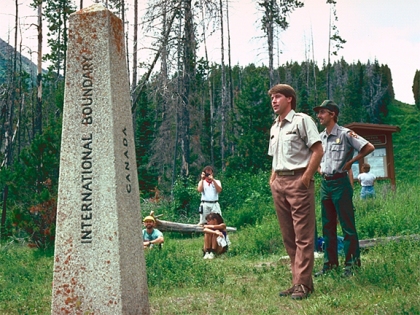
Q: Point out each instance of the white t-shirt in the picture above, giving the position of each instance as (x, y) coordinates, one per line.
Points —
(366, 179)
(209, 191)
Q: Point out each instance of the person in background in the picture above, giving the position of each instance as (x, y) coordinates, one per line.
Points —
(216, 240)
(367, 180)
(339, 144)
(210, 189)
(296, 149)
(151, 235)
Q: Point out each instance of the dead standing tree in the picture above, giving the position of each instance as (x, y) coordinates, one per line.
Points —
(7, 112)
(275, 14)
(333, 39)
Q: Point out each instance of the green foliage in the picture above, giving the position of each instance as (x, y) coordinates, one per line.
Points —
(57, 13)
(277, 14)
(33, 208)
(406, 154)
(254, 119)
(186, 196)
(245, 200)
(245, 197)
(144, 134)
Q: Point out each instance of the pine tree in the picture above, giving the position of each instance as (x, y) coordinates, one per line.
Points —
(254, 119)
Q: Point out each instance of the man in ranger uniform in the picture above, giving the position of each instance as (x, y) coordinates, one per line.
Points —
(296, 149)
(339, 144)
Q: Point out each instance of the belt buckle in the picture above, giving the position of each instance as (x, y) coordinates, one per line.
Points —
(285, 173)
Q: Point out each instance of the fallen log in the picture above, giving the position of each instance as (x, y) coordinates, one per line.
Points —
(375, 241)
(168, 226)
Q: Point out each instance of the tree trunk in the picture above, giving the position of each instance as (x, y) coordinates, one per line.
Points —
(3, 211)
(38, 111)
(209, 83)
(314, 68)
(188, 74)
(329, 58)
(223, 94)
(134, 78)
(8, 128)
(230, 84)
(135, 34)
(270, 41)
(65, 40)
(168, 226)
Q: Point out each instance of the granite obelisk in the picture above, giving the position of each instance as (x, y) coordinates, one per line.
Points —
(99, 265)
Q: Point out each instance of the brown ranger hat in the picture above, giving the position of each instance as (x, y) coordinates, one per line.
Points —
(329, 105)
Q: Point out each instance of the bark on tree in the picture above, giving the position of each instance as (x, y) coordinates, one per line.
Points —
(209, 83)
(168, 226)
(135, 34)
(188, 74)
(8, 128)
(38, 111)
(223, 93)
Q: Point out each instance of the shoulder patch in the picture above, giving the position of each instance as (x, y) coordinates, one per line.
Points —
(351, 133)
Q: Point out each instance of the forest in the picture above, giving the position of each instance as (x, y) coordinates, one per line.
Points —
(188, 111)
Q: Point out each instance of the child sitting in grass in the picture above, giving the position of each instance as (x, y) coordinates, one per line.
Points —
(215, 236)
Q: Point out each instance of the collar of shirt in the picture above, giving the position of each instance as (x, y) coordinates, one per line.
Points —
(289, 117)
(333, 131)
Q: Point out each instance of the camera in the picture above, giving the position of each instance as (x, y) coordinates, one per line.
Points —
(207, 174)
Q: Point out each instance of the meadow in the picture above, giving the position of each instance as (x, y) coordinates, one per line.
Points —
(247, 279)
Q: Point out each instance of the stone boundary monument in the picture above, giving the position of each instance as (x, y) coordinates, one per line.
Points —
(99, 265)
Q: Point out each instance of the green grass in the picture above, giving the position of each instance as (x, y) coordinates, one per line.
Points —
(248, 278)
(25, 280)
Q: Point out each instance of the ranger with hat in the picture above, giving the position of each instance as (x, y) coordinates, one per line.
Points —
(339, 144)
(151, 236)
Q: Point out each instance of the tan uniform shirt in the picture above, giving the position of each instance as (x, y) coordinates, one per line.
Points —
(339, 147)
(291, 140)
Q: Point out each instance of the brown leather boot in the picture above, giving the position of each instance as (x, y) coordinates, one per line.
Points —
(301, 292)
(287, 292)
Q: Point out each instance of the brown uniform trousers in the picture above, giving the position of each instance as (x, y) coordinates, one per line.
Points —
(295, 207)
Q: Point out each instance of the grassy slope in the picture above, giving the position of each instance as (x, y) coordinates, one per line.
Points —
(406, 142)
(248, 278)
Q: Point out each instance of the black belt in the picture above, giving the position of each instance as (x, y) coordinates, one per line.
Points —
(214, 201)
(334, 176)
(290, 173)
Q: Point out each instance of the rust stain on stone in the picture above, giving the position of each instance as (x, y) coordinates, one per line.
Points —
(118, 33)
